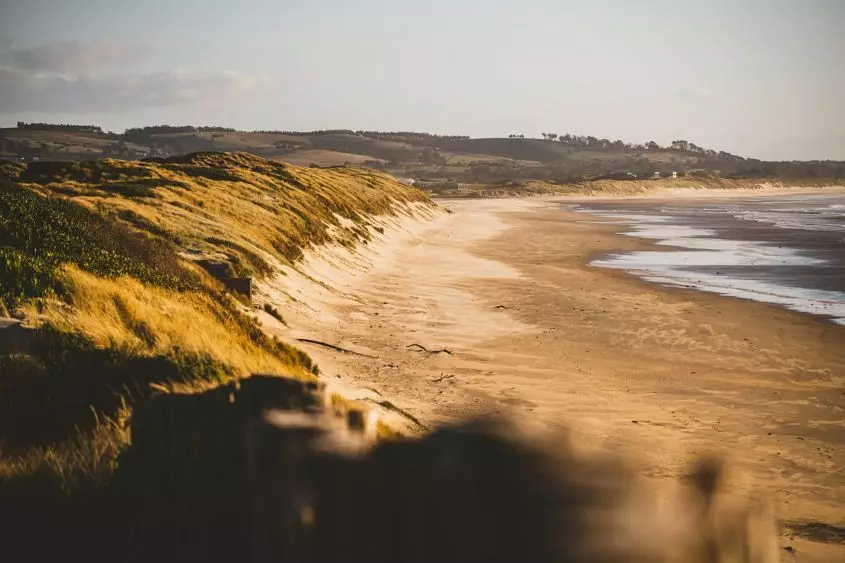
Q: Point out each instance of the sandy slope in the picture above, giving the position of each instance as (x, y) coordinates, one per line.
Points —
(632, 367)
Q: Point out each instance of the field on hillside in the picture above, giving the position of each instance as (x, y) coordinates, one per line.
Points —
(324, 158)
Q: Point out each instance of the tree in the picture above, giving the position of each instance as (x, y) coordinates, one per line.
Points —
(680, 145)
(552, 136)
(652, 146)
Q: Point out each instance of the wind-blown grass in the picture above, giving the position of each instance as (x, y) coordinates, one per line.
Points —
(238, 205)
(91, 256)
(38, 234)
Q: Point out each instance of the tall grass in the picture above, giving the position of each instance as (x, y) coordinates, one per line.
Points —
(59, 501)
(38, 234)
(239, 205)
(90, 257)
(85, 461)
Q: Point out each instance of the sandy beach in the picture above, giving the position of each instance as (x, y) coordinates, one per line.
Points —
(660, 374)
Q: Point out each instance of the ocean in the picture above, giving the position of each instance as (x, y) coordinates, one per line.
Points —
(787, 250)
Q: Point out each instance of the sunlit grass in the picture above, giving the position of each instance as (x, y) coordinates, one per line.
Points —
(84, 461)
(237, 204)
(125, 312)
(94, 259)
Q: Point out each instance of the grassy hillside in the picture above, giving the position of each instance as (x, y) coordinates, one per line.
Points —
(611, 187)
(101, 262)
(491, 161)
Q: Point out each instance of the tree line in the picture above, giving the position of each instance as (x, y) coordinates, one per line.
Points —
(163, 129)
(589, 141)
(405, 135)
(60, 127)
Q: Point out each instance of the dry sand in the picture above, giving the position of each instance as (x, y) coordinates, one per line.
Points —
(663, 374)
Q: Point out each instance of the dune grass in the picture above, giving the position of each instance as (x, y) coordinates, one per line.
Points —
(83, 462)
(273, 312)
(126, 313)
(238, 205)
(39, 234)
(93, 259)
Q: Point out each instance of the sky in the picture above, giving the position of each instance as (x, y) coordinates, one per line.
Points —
(759, 78)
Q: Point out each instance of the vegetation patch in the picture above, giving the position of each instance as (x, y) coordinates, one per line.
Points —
(23, 276)
(40, 233)
(60, 381)
(91, 260)
(235, 204)
(273, 312)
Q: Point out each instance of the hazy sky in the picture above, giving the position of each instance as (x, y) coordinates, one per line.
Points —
(763, 78)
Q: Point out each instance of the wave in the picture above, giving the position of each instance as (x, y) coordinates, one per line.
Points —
(810, 220)
(700, 254)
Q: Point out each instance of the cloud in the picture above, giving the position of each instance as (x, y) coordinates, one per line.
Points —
(73, 77)
(73, 56)
(21, 90)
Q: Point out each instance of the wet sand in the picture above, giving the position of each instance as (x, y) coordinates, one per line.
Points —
(664, 374)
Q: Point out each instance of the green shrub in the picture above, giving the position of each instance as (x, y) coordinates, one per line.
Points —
(23, 276)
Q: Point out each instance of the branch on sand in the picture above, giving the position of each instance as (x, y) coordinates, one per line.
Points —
(390, 406)
(422, 348)
(442, 377)
(333, 347)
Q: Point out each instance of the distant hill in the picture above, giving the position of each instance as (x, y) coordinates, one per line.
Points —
(433, 158)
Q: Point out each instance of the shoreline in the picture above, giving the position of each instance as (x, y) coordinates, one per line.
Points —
(658, 374)
(719, 253)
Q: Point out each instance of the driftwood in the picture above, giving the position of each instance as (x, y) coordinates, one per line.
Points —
(443, 377)
(422, 348)
(333, 347)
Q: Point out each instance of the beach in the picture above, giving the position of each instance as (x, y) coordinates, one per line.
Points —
(494, 309)
(788, 250)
